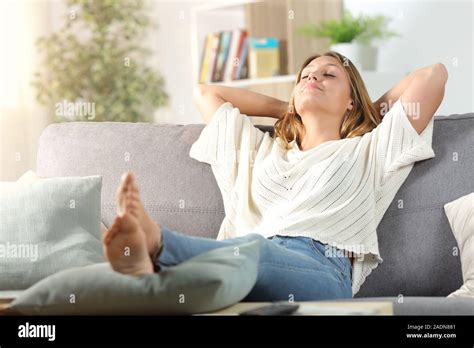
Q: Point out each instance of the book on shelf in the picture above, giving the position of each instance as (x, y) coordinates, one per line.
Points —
(233, 58)
(242, 69)
(233, 55)
(208, 53)
(221, 58)
(264, 57)
(224, 56)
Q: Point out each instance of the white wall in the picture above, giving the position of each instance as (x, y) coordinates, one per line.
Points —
(431, 31)
(22, 119)
(172, 45)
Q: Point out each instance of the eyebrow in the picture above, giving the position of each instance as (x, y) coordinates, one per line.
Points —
(323, 65)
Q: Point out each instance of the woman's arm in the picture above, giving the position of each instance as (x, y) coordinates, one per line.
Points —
(421, 92)
(392, 95)
(210, 97)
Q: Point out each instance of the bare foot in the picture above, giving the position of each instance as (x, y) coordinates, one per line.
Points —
(125, 246)
(128, 200)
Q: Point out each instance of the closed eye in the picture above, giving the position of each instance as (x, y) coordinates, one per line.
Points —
(324, 75)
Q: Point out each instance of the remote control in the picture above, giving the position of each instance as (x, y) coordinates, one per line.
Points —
(273, 309)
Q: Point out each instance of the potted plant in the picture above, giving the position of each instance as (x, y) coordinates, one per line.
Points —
(353, 36)
(97, 64)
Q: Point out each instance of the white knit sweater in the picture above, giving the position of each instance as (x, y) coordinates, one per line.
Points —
(335, 193)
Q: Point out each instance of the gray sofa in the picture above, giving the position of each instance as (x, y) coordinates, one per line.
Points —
(416, 243)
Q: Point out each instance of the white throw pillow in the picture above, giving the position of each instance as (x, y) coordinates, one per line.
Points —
(48, 225)
(460, 213)
(31, 175)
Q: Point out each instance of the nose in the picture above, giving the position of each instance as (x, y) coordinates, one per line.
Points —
(312, 75)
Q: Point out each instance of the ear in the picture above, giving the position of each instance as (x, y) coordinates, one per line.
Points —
(351, 105)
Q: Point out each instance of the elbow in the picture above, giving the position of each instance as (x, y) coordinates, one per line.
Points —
(202, 91)
(199, 91)
(439, 72)
(434, 75)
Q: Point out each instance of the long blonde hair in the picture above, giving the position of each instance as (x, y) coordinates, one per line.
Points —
(362, 118)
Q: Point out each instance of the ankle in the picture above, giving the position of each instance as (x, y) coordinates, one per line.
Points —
(157, 246)
(155, 255)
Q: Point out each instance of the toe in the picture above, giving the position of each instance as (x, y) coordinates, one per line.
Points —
(129, 177)
(131, 181)
(124, 181)
(116, 224)
(129, 222)
(121, 190)
(134, 186)
(128, 201)
(128, 180)
(112, 231)
(108, 236)
(124, 184)
(131, 207)
(131, 186)
(125, 176)
(124, 188)
(135, 197)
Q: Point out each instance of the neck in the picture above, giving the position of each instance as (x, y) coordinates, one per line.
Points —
(318, 130)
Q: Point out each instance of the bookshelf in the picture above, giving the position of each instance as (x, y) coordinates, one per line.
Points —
(263, 18)
(209, 18)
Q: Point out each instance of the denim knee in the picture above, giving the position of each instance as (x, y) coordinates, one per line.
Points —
(262, 241)
(254, 236)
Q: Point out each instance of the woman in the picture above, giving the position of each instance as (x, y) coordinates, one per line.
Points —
(313, 194)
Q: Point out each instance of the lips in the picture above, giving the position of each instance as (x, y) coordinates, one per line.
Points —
(311, 85)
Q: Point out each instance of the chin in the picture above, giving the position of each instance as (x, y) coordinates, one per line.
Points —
(313, 104)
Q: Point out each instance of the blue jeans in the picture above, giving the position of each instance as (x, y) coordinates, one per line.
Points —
(290, 268)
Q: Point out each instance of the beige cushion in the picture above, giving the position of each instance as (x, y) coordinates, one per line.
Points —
(460, 213)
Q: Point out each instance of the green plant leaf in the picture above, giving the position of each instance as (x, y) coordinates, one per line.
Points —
(363, 29)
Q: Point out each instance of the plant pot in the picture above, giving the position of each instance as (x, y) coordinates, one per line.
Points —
(364, 57)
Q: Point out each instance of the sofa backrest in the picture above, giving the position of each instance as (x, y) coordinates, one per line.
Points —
(181, 193)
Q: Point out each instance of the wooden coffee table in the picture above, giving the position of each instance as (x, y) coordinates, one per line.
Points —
(4, 303)
(320, 308)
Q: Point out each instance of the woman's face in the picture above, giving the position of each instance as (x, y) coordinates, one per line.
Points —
(324, 86)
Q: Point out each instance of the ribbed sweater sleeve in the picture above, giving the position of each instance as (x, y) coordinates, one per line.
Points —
(225, 142)
(398, 144)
